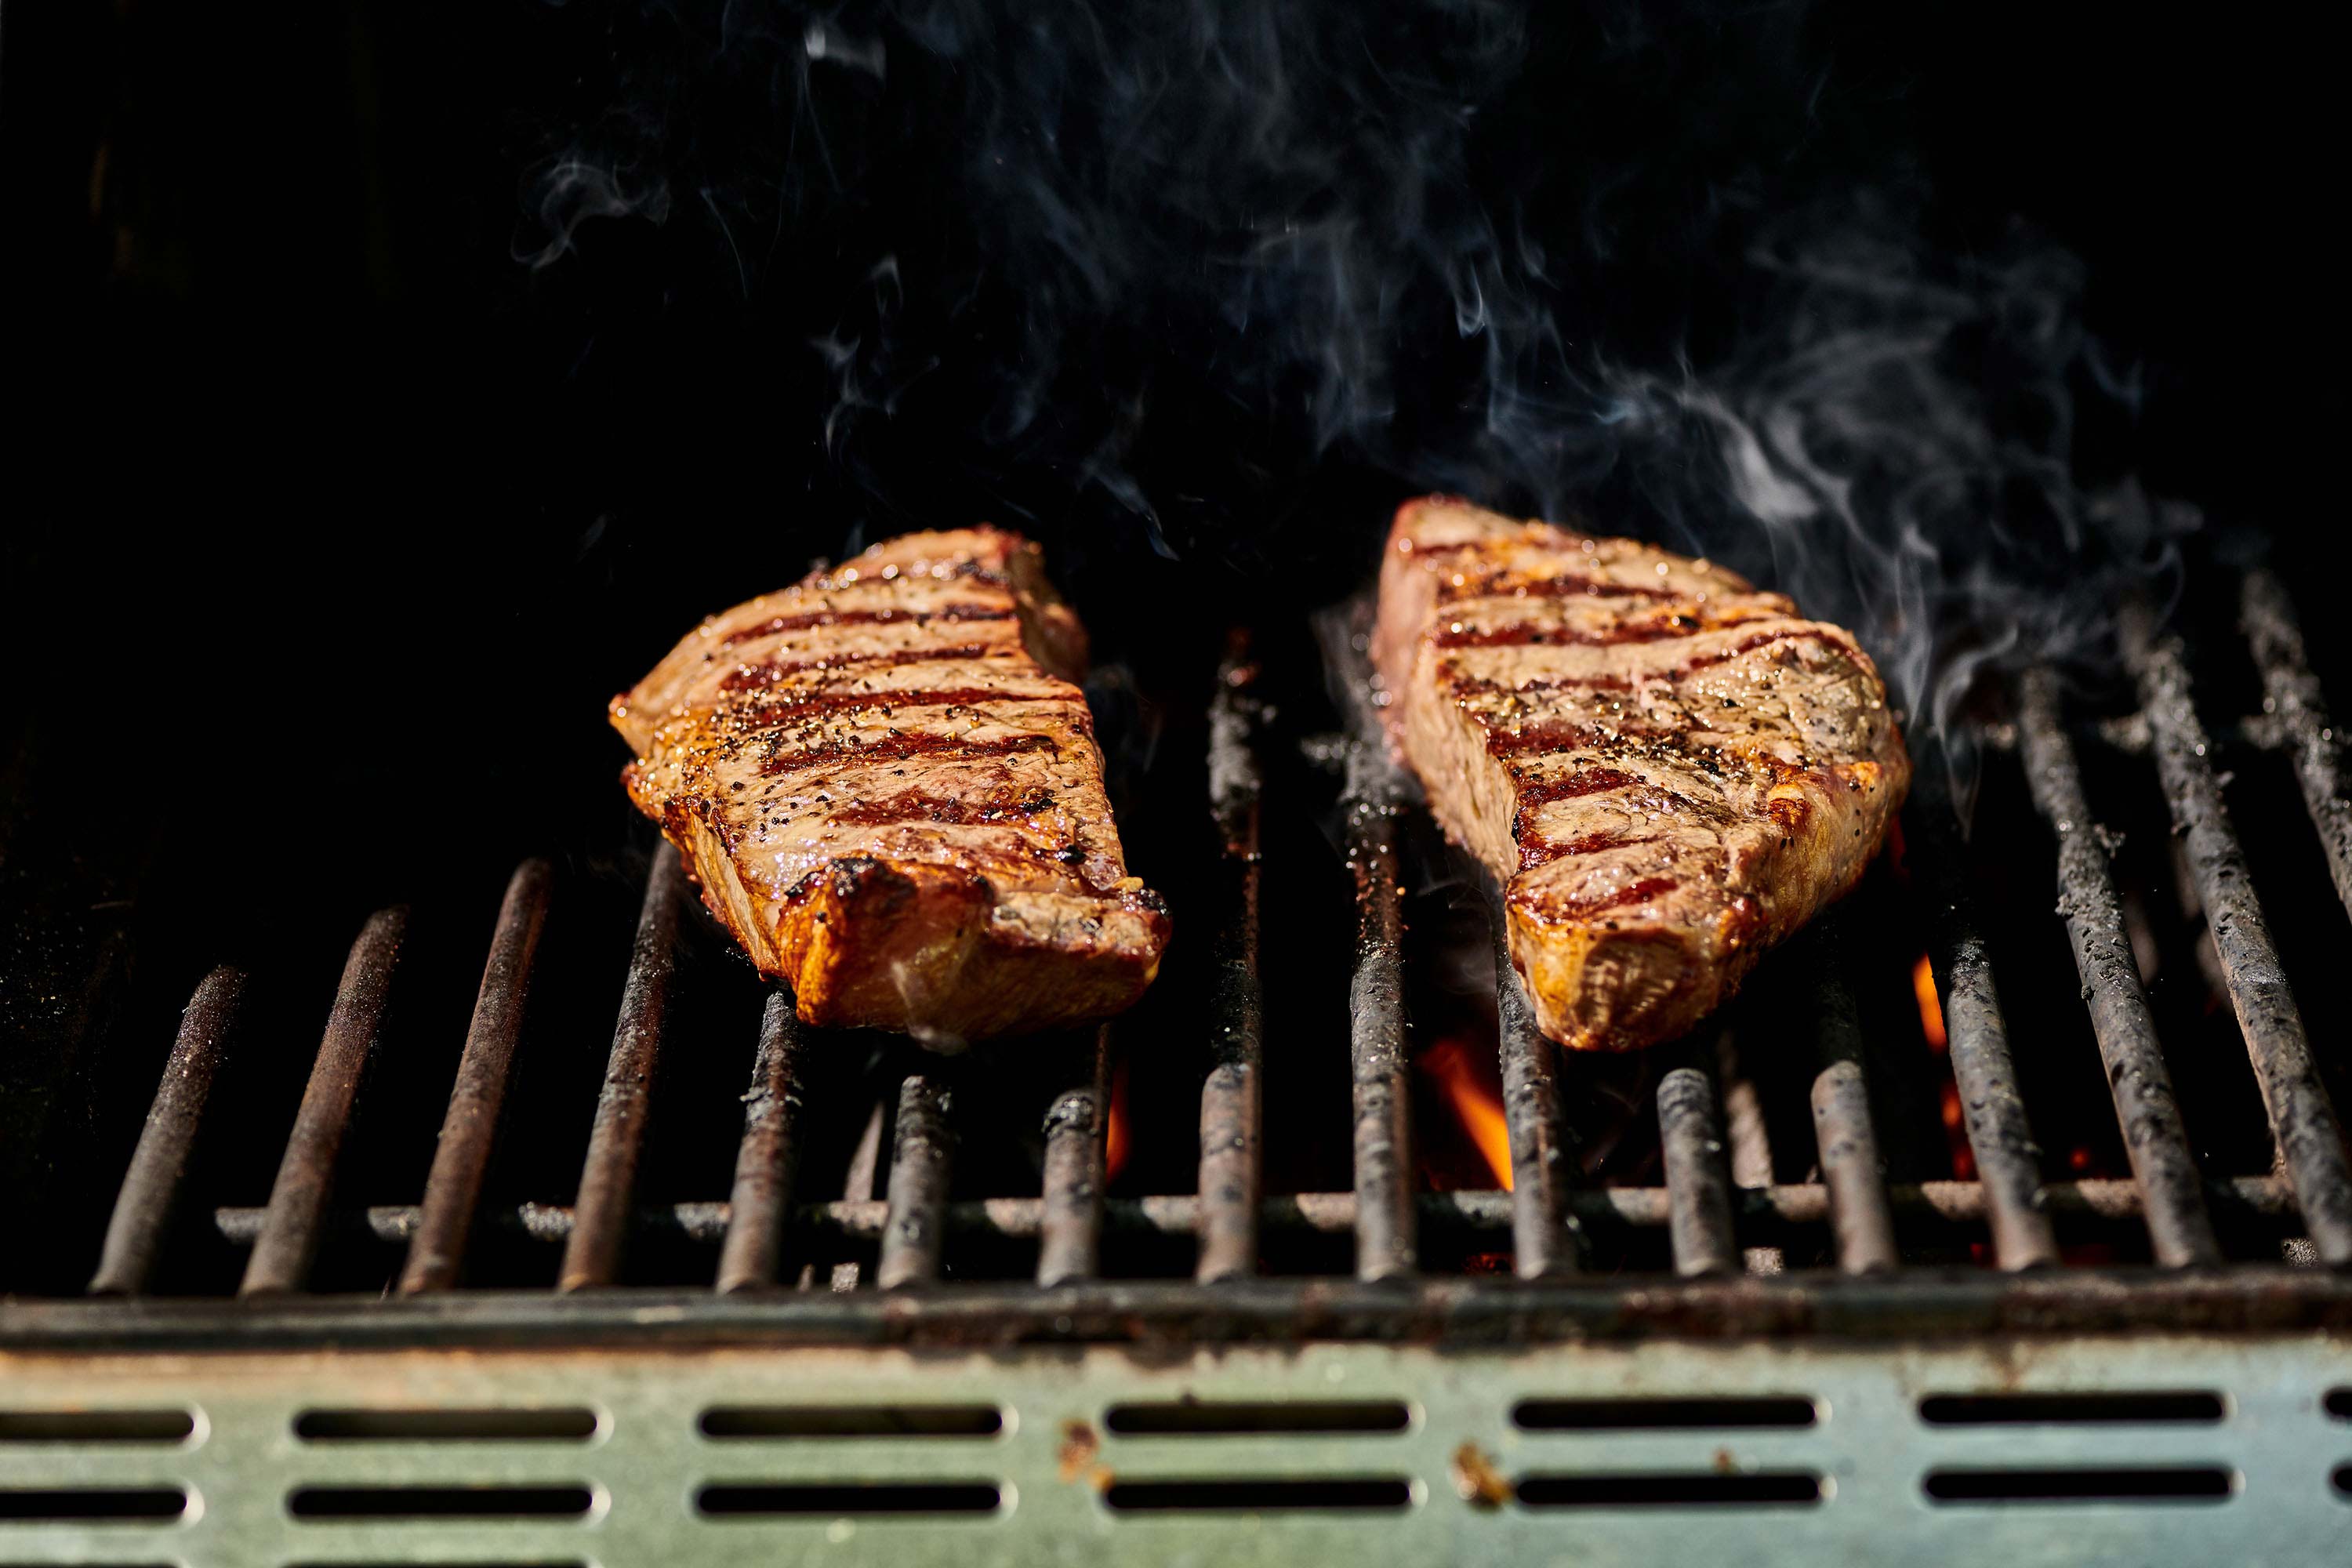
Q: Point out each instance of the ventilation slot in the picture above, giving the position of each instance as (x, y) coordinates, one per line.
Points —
(836, 1499)
(852, 1421)
(91, 1505)
(1634, 1414)
(1328, 1494)
(568, 1424)
(2341, 1478)
(2339, 1403)
(96, 1426)
(1680, 1490)
(1188, 1419)
(2070, 1409)
(441, 1502)
(2201, 1483)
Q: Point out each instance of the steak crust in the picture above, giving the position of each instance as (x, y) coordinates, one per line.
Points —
(888, 789)
(1668, 771)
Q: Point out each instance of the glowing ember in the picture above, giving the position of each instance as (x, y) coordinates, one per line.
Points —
(1964, 1159)
(1931, 1010)
(1115, 1135)
(1450, 1069)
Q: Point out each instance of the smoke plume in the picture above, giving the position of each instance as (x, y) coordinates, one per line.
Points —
(1221, 282)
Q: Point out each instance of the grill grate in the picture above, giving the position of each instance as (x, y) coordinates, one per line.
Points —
(1720, 1217)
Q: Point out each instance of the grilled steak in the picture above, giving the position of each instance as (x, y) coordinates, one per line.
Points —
(1668, 771)
(890, 791)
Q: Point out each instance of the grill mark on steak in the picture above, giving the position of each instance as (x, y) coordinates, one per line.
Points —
(1658, 628)
(770, 672)
(1535, 851)
(809, 618)
(899, 746)
(786, 709)
(1639, 892)
(1483, 686)
(1567, 586)
(1562, 735)
(1762, 639)
(951, 811)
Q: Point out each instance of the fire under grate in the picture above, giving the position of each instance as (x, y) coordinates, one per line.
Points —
(1754, 1283)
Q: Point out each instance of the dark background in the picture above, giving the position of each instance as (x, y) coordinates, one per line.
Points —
(331, 524)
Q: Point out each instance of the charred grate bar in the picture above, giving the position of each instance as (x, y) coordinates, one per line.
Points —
(920, 1204)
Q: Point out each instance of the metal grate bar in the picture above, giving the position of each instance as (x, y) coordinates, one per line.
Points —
(151, 1188)
(608, 1176)
(1071, 1246)
(1545, 1241)
(1845, 1137)
(1232, 1156)
(2299, 711)
(2093, 1207)
(2303, 1118)
(921, 1152)
(294, 1221)
(761, 1200)
(1699, 1184)
(454, 1187)
(1747, 1141)
(2007, 1163)
(2180, 1233)
(1385, 1245)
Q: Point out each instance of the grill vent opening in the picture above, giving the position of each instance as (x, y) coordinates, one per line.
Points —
(2182, 1407)
(1195, 1418)
(511, 1425)
(744, 1499)
(2338, 1403)
(1318, 1493)
(1636, 1415)
(728, 1421)
(441, 1502)
(1671, 1489)
(96, 1426)
(91, 1505)
(2191, 1483)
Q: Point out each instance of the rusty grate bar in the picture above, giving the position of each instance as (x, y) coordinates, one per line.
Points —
(921, 1152)
(1071, 1246)
(453, 1189)
(2090, 1208)
(761, 1201)
(2303, 1118)
(1844, 1138)
(151, 1188)
(1385, 1245)
(1545, 1241)
(1232, 1161)
(2007, 1163)
(1699, 1184)
(609, 1174)
(2180, 1233)
(2298, 709)
(294, 1221)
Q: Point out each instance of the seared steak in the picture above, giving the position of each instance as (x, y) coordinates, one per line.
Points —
(1668, 771)
(890, 791)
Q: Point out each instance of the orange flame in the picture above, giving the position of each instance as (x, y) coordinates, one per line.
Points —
(1931, 1010)
(1448, 1065)
(1114, 1132)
